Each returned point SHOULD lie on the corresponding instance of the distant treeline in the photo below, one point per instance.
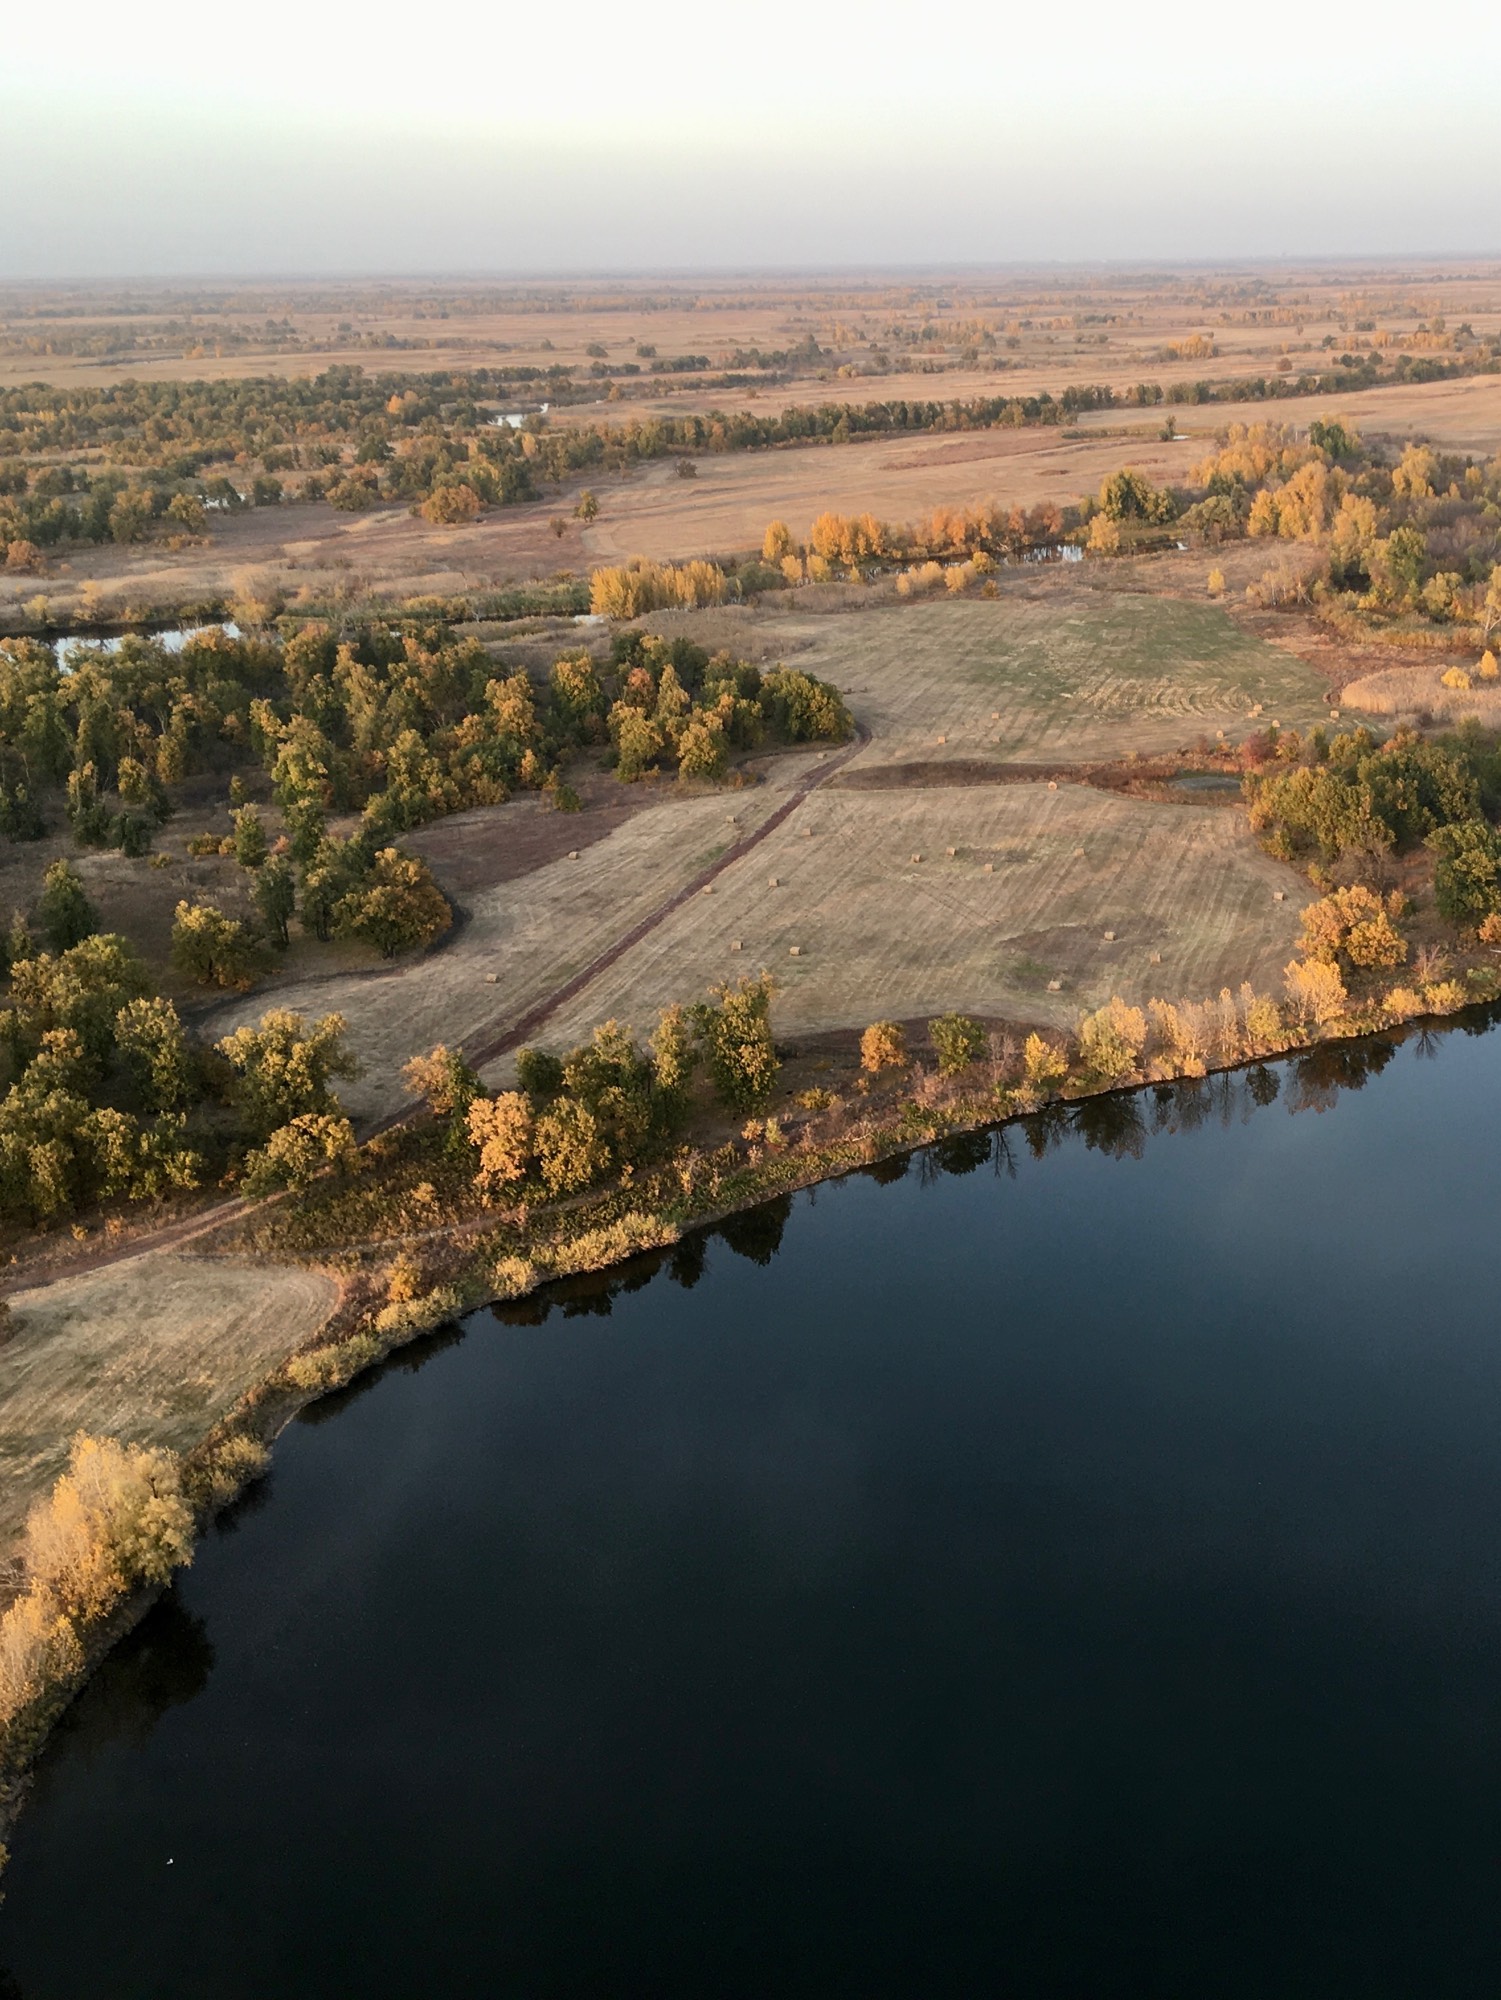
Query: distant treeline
(361, 440)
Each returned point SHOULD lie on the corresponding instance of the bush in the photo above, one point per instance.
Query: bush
(214, 949)
(883, 1046)
(502, 1130)
(64, 914)
(957, 1041)
(735, 1033)
(296, 1153)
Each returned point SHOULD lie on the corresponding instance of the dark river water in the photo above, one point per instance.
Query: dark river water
(1066, 1563)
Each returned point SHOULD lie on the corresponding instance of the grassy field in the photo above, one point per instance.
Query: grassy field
(1056, 668)
(519, 939)
(1077, 672)
(1037, 878)
(155, 1350)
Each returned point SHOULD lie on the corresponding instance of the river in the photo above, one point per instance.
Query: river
(1066, 1563)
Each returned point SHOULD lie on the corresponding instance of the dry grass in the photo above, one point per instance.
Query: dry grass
(1057, 668)
(530, 934)
(880, 935)
(154, 1351)
(1412, 690)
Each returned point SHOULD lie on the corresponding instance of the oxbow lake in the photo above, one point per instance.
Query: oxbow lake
(1064, 1563)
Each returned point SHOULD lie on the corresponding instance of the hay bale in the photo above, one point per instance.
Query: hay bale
(1279, 895)
(1154, 958)
(1052, 784)
(794, 951)
(1110, 937)
(492, 978)
(773, 881)
(989, 868)
(734, 944)
(1055, 986)
(573, 854)
(917, 857)
(951, 852)
(707, 889)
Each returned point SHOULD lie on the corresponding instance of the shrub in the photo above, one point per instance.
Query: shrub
(297, 1152)
(1112, 1039)
(502, 1130)
(214, 949)
(224, 1471)
(883, 1046)
(1043, 1065)
(571, 1147)
(957, 1041)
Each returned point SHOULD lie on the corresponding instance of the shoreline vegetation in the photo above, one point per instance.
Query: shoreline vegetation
(122, 1519)
(329, 745)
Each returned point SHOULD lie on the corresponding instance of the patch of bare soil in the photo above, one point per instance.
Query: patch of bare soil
(493, 844)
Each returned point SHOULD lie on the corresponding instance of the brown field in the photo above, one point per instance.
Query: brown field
(154, 1350)
(882, 333)
(312, 553)
(1417, 689)
(880, 933)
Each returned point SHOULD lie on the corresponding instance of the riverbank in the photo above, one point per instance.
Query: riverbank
(391, 1291)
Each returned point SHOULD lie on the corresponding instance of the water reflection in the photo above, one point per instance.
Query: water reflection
(1120, 1124)
(929, 1579)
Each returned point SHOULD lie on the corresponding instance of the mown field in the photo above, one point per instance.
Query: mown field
(1036, 879)
(154, 1350)
(517, 941)
(1053, 669)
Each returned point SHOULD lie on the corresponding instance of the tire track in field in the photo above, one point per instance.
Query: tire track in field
(513, 1036)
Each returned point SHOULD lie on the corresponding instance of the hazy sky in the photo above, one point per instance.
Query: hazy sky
(174, 137)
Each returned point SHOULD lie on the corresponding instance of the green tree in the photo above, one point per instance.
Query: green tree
(397, 908)
(284, 1069)
(250, 837)
(215, 949)
(64, 914)
(149, 1035)
(276, 898)
(1467, 871)
(539, 1074)
(734, 1030)
(957, 1042)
